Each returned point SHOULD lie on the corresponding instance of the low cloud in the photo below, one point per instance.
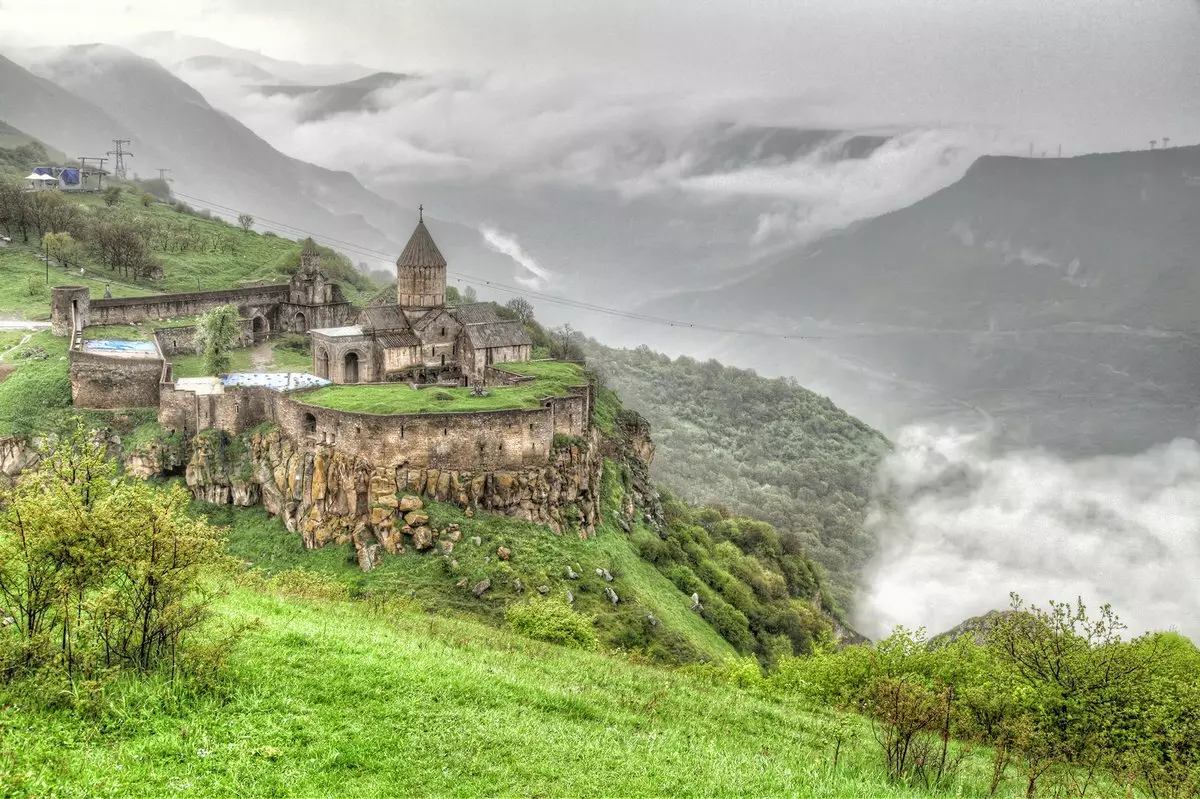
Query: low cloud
(532, 275)
(592, 134)
(961, 525)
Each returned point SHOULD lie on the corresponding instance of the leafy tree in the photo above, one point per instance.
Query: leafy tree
(566, 344)
(112, 196)
(521, 308)
(97, 571)
(246, 221)
(120, 244)
(14, 209)
(217, 335)
(147, 199)
(60, 246)
(49, 211)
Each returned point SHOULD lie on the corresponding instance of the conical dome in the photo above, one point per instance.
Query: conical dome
(421, 250)
(310, 247)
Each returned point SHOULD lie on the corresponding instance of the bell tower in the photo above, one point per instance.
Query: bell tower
(310, 257)
(420, 273)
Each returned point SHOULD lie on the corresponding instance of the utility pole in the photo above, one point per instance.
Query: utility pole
(119, 154)
(1060, 151)
(162, 174)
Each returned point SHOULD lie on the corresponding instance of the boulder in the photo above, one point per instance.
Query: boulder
(504, 553)
(570, 597)
(476, 540)
(481, 587)
(543, 589)
(518, 586)
(415, 518)
(447, 547)
(409, 503)
(369, 556)
(422, 538)
(463, 583)
(611, 594)
(571, 574)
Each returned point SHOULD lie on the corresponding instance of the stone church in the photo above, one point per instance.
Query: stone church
(418, 338)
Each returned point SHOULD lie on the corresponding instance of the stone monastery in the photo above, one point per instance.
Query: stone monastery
(332, 473)
(419, 338)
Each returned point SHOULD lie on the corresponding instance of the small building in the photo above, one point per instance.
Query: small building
(419, 339)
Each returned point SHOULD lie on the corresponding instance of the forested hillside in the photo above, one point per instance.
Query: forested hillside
(767, 449)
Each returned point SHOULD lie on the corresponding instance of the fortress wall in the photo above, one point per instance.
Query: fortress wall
(486, 441)
(129, 310)
(107, 382)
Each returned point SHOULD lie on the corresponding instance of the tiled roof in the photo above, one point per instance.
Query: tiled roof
(383, 317)
(427, 321)
(497, 334)
(310, 247)
(476, 313)
(398, 338)
(386, 296)
(420, 250)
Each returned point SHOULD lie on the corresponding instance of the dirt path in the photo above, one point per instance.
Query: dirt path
(262, 357)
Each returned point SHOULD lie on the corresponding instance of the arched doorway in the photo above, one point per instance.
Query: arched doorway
(259, 328)
(350, 367)
(322, 364)
(310, 424)
(299, 323)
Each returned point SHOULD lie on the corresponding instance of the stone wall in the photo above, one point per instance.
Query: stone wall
(130, 310)
(182, 340)
(467, 441)
(107, 382)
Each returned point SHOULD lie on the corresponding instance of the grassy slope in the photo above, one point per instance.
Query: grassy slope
(553, 380)
(328, 699)
(243, 258)
(539, 557)
(38, 389)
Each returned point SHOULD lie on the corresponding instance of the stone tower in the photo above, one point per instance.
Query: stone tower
(310, 257)
(420, 274)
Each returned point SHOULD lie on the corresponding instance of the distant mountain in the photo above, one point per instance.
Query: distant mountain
(11, 138)
(217, 159)
(1056, 298)
(53, 115)
(171, 48)
(237, 67)
(338, 98)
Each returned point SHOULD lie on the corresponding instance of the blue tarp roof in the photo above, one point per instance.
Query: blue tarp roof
(70, 177)
(109, 345)
(44, 170)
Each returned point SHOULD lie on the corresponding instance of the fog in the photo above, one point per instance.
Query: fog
(961, 525)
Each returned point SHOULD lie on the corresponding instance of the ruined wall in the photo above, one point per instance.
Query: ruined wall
(128, 310)
(182, 340)
(108, 382)
(68, 309)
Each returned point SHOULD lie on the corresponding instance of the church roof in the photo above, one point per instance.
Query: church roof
(310, 247)
(383, 317)
(497, 334)
(476, 313)
(386, 296)
(420, 250)
(398, 338)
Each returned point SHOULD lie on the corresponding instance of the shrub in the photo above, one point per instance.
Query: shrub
(553, 621)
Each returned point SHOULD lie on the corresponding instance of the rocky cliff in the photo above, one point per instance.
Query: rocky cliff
(327, 496)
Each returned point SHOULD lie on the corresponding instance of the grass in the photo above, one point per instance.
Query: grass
(19, 265)
(552, 380)
(329, 698)
(37, 390)
(242, 259)
(283, 358)
(539, 557)
(119, 332)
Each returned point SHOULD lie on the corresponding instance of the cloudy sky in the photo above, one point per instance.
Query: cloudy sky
(1093, 74)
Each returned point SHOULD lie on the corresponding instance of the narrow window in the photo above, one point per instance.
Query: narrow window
(310, 423)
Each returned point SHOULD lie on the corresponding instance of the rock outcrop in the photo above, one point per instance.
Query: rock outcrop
(327, 496)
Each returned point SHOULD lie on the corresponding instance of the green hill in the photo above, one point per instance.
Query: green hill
(764, 448)
(195, 251)
(328, 698)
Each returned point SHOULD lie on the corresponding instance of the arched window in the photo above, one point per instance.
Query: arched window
(310, 424)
